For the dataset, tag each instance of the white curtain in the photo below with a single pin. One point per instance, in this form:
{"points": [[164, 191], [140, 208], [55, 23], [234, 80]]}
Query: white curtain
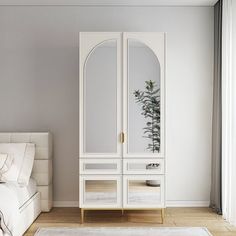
{"points": [[229, 110]]}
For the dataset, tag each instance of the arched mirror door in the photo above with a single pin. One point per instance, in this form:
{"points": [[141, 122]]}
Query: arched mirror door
{"points": [[143, 86], [101, 97]]}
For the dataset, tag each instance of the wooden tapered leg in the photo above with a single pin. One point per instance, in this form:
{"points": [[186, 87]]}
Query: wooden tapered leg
{"points": [[162, 215], [81, 215]]}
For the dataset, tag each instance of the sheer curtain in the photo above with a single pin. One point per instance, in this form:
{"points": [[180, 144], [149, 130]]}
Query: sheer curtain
{"points": [[229, 110]]}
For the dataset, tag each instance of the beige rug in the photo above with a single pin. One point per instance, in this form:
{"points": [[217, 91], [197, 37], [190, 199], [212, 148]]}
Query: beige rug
{"points": [[124, 231]]}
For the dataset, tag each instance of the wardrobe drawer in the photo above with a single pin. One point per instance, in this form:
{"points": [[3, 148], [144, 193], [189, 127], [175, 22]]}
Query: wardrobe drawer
{"points": [[100, 166], [143, 166]]}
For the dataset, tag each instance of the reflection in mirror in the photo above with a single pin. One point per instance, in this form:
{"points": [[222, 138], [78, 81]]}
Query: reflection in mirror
{"points": [[137, 166], [100, 166], [100, 114], [100, 192], [142, 166], [144, 192], [144, 99]]}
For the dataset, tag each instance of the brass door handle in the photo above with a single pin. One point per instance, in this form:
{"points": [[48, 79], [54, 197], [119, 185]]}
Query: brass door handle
{"points": [[122, 137]]}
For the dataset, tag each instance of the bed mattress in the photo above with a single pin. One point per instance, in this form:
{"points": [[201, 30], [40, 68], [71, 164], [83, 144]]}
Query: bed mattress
{"points": [[23, 193]]}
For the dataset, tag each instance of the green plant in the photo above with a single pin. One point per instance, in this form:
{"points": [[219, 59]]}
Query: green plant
{"points": [[149, 99]]}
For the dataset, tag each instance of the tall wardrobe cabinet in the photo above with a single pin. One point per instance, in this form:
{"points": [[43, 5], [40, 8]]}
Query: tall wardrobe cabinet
{"points": [[122, 121]]}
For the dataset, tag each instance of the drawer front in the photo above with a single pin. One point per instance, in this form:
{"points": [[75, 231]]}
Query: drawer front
{"points": [[144, 166], [100, 191], [100, 166], [143, 191]]}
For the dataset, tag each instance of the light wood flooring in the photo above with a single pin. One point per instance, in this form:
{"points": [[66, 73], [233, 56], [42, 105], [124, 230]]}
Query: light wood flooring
{"points": [[183, 217]]}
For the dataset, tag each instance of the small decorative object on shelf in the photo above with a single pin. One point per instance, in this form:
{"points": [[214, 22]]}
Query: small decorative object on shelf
{"points": [[153, 183], [153, 166]]}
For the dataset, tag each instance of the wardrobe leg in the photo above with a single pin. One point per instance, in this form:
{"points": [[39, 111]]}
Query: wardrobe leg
{"points": [[162, 215], [81, 215]]}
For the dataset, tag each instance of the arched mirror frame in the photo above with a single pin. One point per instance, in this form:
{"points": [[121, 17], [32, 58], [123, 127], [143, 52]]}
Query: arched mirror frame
{"points": [[155, 42], [87, 49]]}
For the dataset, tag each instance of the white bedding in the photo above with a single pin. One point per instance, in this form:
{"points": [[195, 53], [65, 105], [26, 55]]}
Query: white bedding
{"points": [[23, 193], [9, 211], [22, 164], [12, 197]]}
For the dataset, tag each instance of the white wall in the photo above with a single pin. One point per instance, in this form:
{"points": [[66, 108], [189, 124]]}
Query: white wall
{"points": [[39, 85], [231, 187], [234, 37]]}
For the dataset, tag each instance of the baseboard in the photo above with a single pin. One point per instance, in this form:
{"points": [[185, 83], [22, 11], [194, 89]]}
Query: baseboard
{"points": [[168, 203], [66, 204], [187, 203]]}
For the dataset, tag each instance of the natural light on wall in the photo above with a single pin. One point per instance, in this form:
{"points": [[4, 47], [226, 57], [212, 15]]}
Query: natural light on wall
{"points": [[229, 110]]}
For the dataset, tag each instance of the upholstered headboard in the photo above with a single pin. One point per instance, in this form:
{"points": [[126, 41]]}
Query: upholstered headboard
{"points": [[42, 170]]}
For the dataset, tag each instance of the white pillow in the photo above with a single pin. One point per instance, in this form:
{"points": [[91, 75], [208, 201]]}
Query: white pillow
{"points": [[5, 162], [22, 165]]}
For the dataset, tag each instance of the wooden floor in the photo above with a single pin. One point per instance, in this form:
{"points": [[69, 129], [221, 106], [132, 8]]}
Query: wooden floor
{"points": [[70, 217]]}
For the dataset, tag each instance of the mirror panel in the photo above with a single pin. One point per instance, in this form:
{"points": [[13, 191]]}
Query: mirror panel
{"points": [[136, 166], [144, 99], [100, 95], [100, 166], [143, 166], [100, 192], [147, 192]]}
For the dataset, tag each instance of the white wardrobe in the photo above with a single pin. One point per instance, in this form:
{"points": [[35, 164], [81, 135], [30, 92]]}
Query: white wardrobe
{"points": [[122, 121]]}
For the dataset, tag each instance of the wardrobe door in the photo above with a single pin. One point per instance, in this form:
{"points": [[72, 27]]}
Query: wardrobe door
{"points": [[100, 95], [143, 92]]}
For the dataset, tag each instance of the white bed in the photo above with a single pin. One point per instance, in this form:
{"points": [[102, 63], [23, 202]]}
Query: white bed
{"points": [[37, 196], [24, 194]]}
